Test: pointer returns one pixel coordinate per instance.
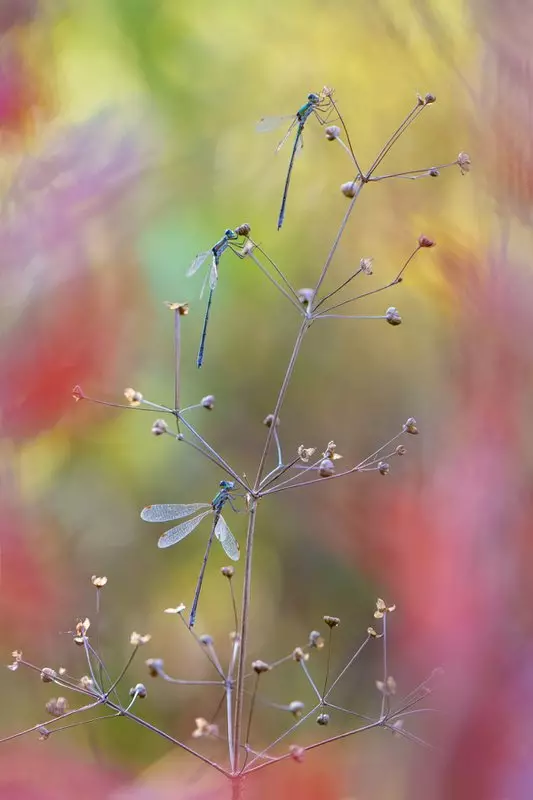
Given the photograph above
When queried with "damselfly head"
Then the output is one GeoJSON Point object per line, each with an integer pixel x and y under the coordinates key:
{"type": "Point", "coordinates": [313, 98]}
{"type": "Point", "coordinates": [229, 485]}
{"type": "Point", "coordinates": [229, 234]}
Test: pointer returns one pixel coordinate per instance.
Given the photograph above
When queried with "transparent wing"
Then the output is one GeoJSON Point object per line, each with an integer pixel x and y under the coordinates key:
{"type": "Point", "coordinates": [227, 539]}
{"type": "Point", "coordinates": [280, 145]}
{"type": "Point", "coordinates": [182, 530]}
{"type": "Point", "coordinates": [166, 512]}
{"type": "Point", "coordinates": [197, 262]}
{"type": "Point", "coordinates": [266, 124]}
{"type": "Point", "coordinates": [213, 275]}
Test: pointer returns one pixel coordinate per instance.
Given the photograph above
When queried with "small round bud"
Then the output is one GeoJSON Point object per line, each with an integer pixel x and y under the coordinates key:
{"type": "Point", "coordinates": [77, 392]}
{"type": "Point", "coordinates": [316, 640]}
{"type": "Point", "coordinates": [434, 173]}
{"type": "Point", "coordinates": [99, 582]}
{"type": "Point", "coordinates": [133, 397]}
{"type": "Point", "coordinates": [269, 419]}
{"type": "Point", "coordinates": [332, 132]}
{"type": "Point", "coordinates": [383, 468]}
{"type": "Point", "coordinates": [260, 666]}
{"type": "Point", "coordinates": [86, 683]}
{"type": "Point", "coordinates": [139, 690]}
{"type": "Point", "coordinates": [322, 719]}
{"type": "Point", "coordinates": [243, 230]}
{"type": "Point", "coordinates": [208, 402]}
{"type": "Point", "coordinates": [366, 265]}
{"type": "Point", "coordinates": [44, 733]}
{"type": "Point", "coordinates": [299, 655]}
{"type": "Point", "coordinates": [206, 640]}
{"type": "Point", "coordinates": [400, 450]}
{"type": "Point", "coordinates": [57, 706]}
{"type": "Point", "coordinates": [392, 315]}
{"type": "Point", "coordinates": [464, 162]}
{"type": "Point", "coordinates": [228, 572]}
{"type": "Point", "coordinates": [296, 708]}
{"type": "Point", "coordinates": [348, 188]}
{"type": "Point", "coordinates": [155, 666]}
{"type": "Point", "coordinates": [297, 753]}
{"type": "Point", "coordinates": [332, 622]}
{"type": "Point", "coordinates": [305, 296]}
{"type": "Point", "coordinates": [425, 241]}
{"type": "Point", "coordinates": [429, 98]}
{"type": "Point", "coordinates": [410, 426]}
{"type": "Point", "coordinates": [159, 427]}
{"type": "Point", "coordinates": [138, 639]}
{"type": "Point", "coordinates": [48, 675]}
{"type": "Point", "coordinates": [326, 468]}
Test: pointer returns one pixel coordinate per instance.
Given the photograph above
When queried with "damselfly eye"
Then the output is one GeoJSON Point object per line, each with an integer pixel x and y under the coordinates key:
{"type": "Point", "coordinates": [313, 98]}
{"type": "Point", "coordinates": [230, 234]}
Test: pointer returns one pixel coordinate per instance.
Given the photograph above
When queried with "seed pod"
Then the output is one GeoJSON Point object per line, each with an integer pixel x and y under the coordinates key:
{"type": "Point", "coordinates": [332, 622]}
{"type": "Point", "coordinates": [429, 98]}
{"type": "Point", "coordinates": [155, 666]}
{"type": "Point", "coordinates": [392, 315]}
{"type": "Point", "coordinates": [305, 296]}
{"type": "Point", "coordinates": [434, 173]}
{"type": "Point", "coordinates": [139, 690]}
{"type": "Point", "coordinates": [348, 188]}
{"type": "Point", "coordinates": [326, 468]}
{"type": "Point", "coordinates": [332, 132]}
{"type": "Point", "coordinates": [133, 397]}
{"type": "Point", "coordinates": [228, 572]}
{"type": "Point", "coordinates": [260, 666]}
{"type": "Point", "coordinates": [425, 241]}
{"type": "Point", "coordinates": [159, 427]}
{"type": "Point", "coordinates": [410, 426]}
{"type": "Point", "coordinates": [208, 402]}
{"type": "Point", "coordinates": [48, 674]}
{"type": "Point", "coordinates": [366, 265]}
{"type": "Point", "coordinates": [243, 230]}
{"type": "Point", "coordinates": [296, 708]}
{"type": "Point", "coordinates": [383, 468]}
{"type": "Point", "coordinates": [322, 719]}
{"type": "Point", "coordinates": [464, 162]}
{"type": "Point", "coordinates": [269, 419]}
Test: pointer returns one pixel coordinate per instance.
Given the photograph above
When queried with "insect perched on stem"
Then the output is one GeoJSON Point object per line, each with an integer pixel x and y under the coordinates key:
{"type": "Point", "coordinates": [314, 103]}
{"type": "Point", "coordinates": [166, 512]}
{"type": "Point", "coordinates": [216, 252]}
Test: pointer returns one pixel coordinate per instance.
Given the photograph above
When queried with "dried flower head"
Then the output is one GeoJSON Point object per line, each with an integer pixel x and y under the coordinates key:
{"type": "Point", "coordinates": [77, 393]}
{"type": "Point", "coordinates": [155, 666]}
{"type": "Point", "coordinates": [410, 426]}
{"type": "Point", "coordinates": [81, 631]}
{"type": "Point", "coordinates": [99, 582]}
{"type": "Point", "coordinates": [181, 308]}
{"type": "Point", "coordinates": [159, 427]}
{"type": "Point", "coordinates": [57, 706]}
{"type": "Point", "coordinates": [243, 230]}
{"type": "Point", "coordinates": [260, 667]}
{"type": "Point", "coordinates": [326, 468]}
{"type": "Point", "coordinates": [331, 452]}
{"type": "Point", "coordinates": [133, 397]}
{"type": "Point", "coordinates": [373, 633]}
{"type": "Point", "coordinates": [297, 753]}
{"type": "Point", "coordinates": [139, 690]}
{"type": "Point", "coordinates": [269, 419]}
{"type": "Point", "coordinates": [204, 728]}
{"type": "Point", "coordinates": [429, 98]}
{"type": "Point", "coordinates": [392, 315]}
{"type": "Point", "coordinates": [464, 162]}
{"type": "Point", "coordinates": [208, 402]}
{"type": "Point", "coordinates": [16, 655]}
{"type": "Point", "coordinates": [366, 265]}
{"type": "Point", "coordinates": [425, 241]}
{"type": "Point", "coordinates": [332, 622]}
{"type": "Point", "coordinates": [86, 683]}
{"type": "Point", "coordinates": [349, 188]}
{"type": "Point", "coordinates": [305, 296]}
{"type": "Point", "coordinates": [316, 640]}
{"type": "Point", "coordinates": [299, 655]}
{"type": "Point", "coordinates": [332, 132]}
{"type": "Point", "coordinates": [296, 707]}
{"type": "Point", "coordinates": [206, 640]}
{"type": "Point", "coordinates": [138, 639]}
{"type": "Point", "coordinates": [44, 733]}
{"type": "Point", "coordinates": [382, 608]}
{"type": "Point", "coordinates": [322, 719]}
{"type": "Point", "coordinates": [434, 173]}
{"type": "Point", "coordinates": [178, 610]}
{"type": "Point", "coordinates": [48, 675]}
{"type": "Point", "coordinates": [387, 688]}
{"type": "Point", "coordinates": [305, 453]}
{"type": "Point", "coordinates": [228, 572]}
{"type": "Point", "coordinates": [383, 468]}
{"type": "Point", "coordinates": [400, 450]}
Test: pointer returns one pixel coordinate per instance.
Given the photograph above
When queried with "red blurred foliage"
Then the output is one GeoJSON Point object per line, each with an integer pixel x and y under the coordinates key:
{"type": "Point", "coordinates": [16, 12]}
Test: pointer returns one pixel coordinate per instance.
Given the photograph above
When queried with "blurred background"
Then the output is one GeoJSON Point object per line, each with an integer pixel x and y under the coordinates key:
{"type": "Point", "coordinates": [128, 140]}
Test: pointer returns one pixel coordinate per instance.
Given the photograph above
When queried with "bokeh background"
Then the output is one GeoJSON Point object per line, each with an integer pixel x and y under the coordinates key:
{"type": "Point", "coordinates": [128, 145]}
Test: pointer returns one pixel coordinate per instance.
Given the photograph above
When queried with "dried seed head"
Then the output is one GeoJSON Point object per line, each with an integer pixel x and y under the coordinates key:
{"type": "Point", "coordinates": [48, 675]}
{"type": "Point", "coordinates": [181, 308]}
{"type": "Point", "coordinates": [366, 265]}
{"type": "Point", "coordinates": [44, 733]}
{"type": "Point", "coordinates": [464, 162]}
{"type": "Point", "coordinates": [159, 427]}
{"type": "Point", "coordinates": [316, 640]}
{"type": "Point", "coordinates": [322, 719]}
{"type": "Point", "coordinates": [400, 450]}
{"type": "Point", "coordinates": [139, 690]}
{"type": "Point", "coordinates": [332, 132]}
{"type": "Point", "coordinates": [206, 640]}
{"type": "Point", "coordinates": [99, 582]}
{"type": "Point", "coordinates": [410, 426]}
{"type": "Point", "coordinates": [392, 315]}
{"type": "Point", "coordinates": [178, 610]}
{"type": "Point", "coordinates": [305, 453]}
{"type": "Point", "coordinates": [133, 397]}
{"type": "Point", "coordinates": [297, 753]}
{"type": "Point", "coordinates": [331, 452]}
{"type": "Point", "coordinates": [420, 99]}
{"type": "Point", "coordinates": [81, 631]}
{"type": "Point", "coordinates": [299, 655]}
{"type": "Point", "coordinates": [332, 622]}
{"type": "Point", "coordinates": [373, 633]}
{"type": "Point", "coordinates": [208, 401]}
{"type": "Point", "coordinates": [228, 572]}
{"type": "Point", "coordinates": [86, 683]}
{"type": "Point", "coordinates": [243, 230]}
{"type": "Point", "coordinates": [425, 241]}
{"type": "Point", "coordinates": [57, 706]}
{"type": "Point", "coordinates": [16, 655]}
{"type": "Point", "coordinates": [349, 188]}
{"type": "Point", "coordinates": [434, 173]}
{"type": "Point", "coordinates": [138, 639]}
{"type": "Point", "coordinates": [429, 98]}
{"type": "Point", "coordinates": [155, 666]}
{"type": "Point", "coordinates": [204, 728]}
{"type": "Point", "coordinates": [382, 608]}
{"type": "Point", "coordinates": [77, 393]}
{"type": "Point", "coordinates": [326, 468]}
{"type": "Point", "coordinates": [296, 708]}
{"type": "Point", "coordinates": [305, 296]}
{"type": "Point", "coordinates": [269, 419]}
{"type": "Point", "coordinates": [388, 687]}
{"type": "Point", "coordinates": [383, 468]}
{"type": "Point", "coordinates": [260, 666]}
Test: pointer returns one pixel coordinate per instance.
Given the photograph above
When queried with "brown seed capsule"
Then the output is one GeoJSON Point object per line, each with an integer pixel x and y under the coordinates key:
{"type": "Point", "coordinates": [332, 132]}
{"type": "Point", "coordinates": [208, 402]}
{"type": "Point", "coordinates": [366, 265]}
{"type": "Point", "coordinates": [260, 666]}
{"type": "Point", "coordinates": [410, 426]}
{"type": "Point", "coordinates": [243, 230]}
{"type": "Point", "coordinates": [269, 419]}
{"type": "Point", "coordinates": [139, 690]}
{"type": "Point", "coordinates": [299, 655]}
{"type": "Point", "coordinates": [332, 622]}
{"type": "Point", "coordinates": [434, 173]}
{"type": "Point", "coordinates": [228, 572]}
{"type": "Point", "coordinates": [425, 241]}
{"type": "Point", "coordinates": [392, 315]}
{"type": "Point", "coordinates": [383, 468]}
{"type": "Point", "coordinates": [99, 582]}
{"type": "Point", "coordinates": [155, 666]}
{"type": "Point", "coordinates": [297, 753]}
{"type": "Point", "coordinates": [322, 719]}
{"type": "Point", "coordinates": [400, 450]}
{"type": "Point", "coordinates": [348, 189]}
{"type": "Point", "coordinates": [316, 640]}
{"type": "Point", "coordinates": [48, 675]}
{"type": "Point", "coordinates": [181, 308]}
{"type": "Point", "coordinates": [57, 706]}
{"type": "Point", "coordinates": [429, 98]}
{"type": "Point", "coordinates": [133, 397]}
{"type": "Point", "coordinates": [464, 162]}
{"type": "Point", "coordinates": [326, 468]}
{"type": "Point", "coordinates": [159, 427]}
{"type": "Point", "coordinates": [305, 296]}
{"type": "Point", "coordinates": [296, 708]}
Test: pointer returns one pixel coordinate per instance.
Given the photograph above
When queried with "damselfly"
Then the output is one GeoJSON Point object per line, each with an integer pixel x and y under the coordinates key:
{"type": "Point", "coordinates": [166, 512]}
{"type": "Point", "coordinates": [314, 103]}
{"type": "Point", "coordinates": [212, 276]}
